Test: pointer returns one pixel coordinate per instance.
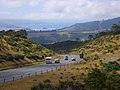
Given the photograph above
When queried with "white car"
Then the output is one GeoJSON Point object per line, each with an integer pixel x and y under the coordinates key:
{"type": "Point", "coordinates": [48, 60]}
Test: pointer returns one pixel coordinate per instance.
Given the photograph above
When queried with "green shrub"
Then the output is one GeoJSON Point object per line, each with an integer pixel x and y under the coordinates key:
{"type": "Point", "coordinates": [113, 82]}
{"type": "Point", "coordinates": [31, 56]}
{"type": "Point", "coordinates": [96, 80]}
{"type": "Point", "coordinates": [35, 87]}
{"type": "Point", "coordinates": [11, 41]}
{"type": "Point", "coordinates": [110, 66]}
{"type": "Point", "coordinates": [73, 77]}
{"type": "Point", "coordinates": [96, 57]}
{"type": "Point", "coordinates": [18, 57]}
{"type": "Point", "coordinates": [9, 57]}
{"type": "Point", "coordinates": [63, 85]}
{"type": "Point", "coordinates": [70, 85]}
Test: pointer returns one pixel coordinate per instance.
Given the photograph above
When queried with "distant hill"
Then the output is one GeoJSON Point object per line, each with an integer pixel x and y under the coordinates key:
{"type": "Point", "coordinates": [93, 25]}
{"type": "Point", "coordinates": [5, 26]}
{"type": "Point", "coordinates": [16, 50]}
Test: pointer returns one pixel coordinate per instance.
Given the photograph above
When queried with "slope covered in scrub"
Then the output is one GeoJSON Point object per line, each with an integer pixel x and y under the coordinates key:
{"type": "Point", "coordinates": [17, 50]}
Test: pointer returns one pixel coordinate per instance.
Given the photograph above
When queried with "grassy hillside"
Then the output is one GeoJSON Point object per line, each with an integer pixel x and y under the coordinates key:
{"type": "Point", "coordinates": [102, 45]}
{"type": "Point", "coordinates": [107, 43]}
{"type": "Point", "coordinates": [94, 73]}
{"type": "Point", "coordinates": [17, 50]}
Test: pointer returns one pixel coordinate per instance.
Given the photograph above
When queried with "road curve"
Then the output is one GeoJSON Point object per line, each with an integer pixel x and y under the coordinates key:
{"type": "Point", "coordinates": [17, 73]}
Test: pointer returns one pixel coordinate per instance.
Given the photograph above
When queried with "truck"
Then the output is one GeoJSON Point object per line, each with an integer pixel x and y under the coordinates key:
{"type": "Point", "coordinates": [66, 57]}
{"type": "Point", "coordinates": [81, 55]}
{"type": "Point", "coordinates": [48, 60]}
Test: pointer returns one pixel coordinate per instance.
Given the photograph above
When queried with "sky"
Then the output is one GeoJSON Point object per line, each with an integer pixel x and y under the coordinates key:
{"type": "Point", "coordinates": [83, 10]}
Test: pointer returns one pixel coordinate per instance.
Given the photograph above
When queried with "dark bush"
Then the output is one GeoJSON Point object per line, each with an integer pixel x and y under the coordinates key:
{"type": "Point", "coordinates": [9, 57]}
{"type": "Point", "coordinates": [110, 66]}
{"type": "Point", "coordinates": [113, 82]}
{"type": "Point", "coordinates": [63, 85]}
{"type": "Point", "coordinates": [35, 87]}
{"type": "Point", "coordinates": [18, 57]}
{"type": "Point", "coordinates": [35, 57]}
{"type": "Point", "coordinates": [96, 80]}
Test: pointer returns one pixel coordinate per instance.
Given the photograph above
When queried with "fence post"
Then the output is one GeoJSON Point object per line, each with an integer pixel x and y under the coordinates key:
{"type": "Point", "coordinates": [13, 79]}
{"type": "Point", "coordinates": [52, 69]}
{"type": "Point", "coordinates": [4, 80]}
{"type": "Point", "coordinates": [21, 76]}
{"type": "Point", "coordinates": [29, 74]}
{"type": "Point", "coordinates": [47, 70]}
{"type": "Point", "coordinates": [35, 73]}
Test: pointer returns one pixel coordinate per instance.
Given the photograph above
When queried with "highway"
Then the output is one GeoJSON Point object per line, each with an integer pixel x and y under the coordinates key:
{"type": "Point", "coordinates": [19, 73]}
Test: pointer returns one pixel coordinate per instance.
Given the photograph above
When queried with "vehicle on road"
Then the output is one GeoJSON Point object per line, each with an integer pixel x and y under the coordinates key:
{"type": "Point", "coordinates": [73, 59]}
{"type": "Point", "coordinates": [57, 60]}
{"type": "Point", "coordinates": [81, 55]}
{"type": "Point", "coordinates": [66, 57]}
{"type": "Point", "coordinates": [48, 60]}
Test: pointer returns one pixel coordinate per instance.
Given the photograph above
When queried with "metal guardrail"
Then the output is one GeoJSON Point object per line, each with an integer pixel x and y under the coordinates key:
{"type": "Point", "coordinates": [22, 76]}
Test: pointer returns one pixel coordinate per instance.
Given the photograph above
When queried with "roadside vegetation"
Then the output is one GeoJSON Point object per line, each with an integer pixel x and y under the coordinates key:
{"type": "Point", "coordinates": [100, 69]}
{"type": "Point", "coordinates": [92, 75]}
{"type": "Point", "coordinates": [101, 73]}
{"type": "Point", "coordinates": [16, 50]}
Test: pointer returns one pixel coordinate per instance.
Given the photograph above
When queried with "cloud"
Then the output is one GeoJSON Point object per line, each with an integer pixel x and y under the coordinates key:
{"type": "Point", "coordinates": [18, 3]}
{"type": "Point", "coordinates": [63, 9]}
{"type": "Point", "coordinates": [5, 14]}
{"type": "Point", "coordinates": [77, 9]}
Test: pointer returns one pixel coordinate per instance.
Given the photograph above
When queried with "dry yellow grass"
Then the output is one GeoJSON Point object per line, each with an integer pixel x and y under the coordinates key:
{"type": "Point", "coordinates": [60, 74]}
{"type": "Point", "coordinates": [109, 44]}
{"type": "Point", "coordinates": [78, 70]}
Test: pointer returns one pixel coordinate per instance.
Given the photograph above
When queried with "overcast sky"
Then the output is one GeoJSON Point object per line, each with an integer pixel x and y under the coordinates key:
{"type": "Point", "coordinates": [59, 9]}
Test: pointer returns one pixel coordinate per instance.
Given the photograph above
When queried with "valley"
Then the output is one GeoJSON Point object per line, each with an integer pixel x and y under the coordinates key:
{"type": "Point", "coordinates": [59, 44]}
{"type": "Point", "coordinates": [101, 58]}
{"type": "Point", "coordinates": [46, 37]}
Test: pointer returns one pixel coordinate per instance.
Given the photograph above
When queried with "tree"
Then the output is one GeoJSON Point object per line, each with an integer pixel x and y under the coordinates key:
{"type": "Point", "coordinates": [2, 33]}
{"type": "Point", "coordinates": [21, 33]}
{"type": "Point", "coordinates": [111, 66]}
{"type": "Point", "coordinates": [115, 29]}
{"type": "Point", "coordinates": [96, 80]}
{"type": "Point", "coordinates": [113, 82]}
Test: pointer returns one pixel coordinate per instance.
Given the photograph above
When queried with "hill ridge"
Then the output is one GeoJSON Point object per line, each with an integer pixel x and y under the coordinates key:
{"type": "Point", "coordinates": [92, 25]}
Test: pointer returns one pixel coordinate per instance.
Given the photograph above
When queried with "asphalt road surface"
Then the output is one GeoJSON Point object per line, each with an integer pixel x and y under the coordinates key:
{"type": "Point", "coordinates": [19, 73]}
